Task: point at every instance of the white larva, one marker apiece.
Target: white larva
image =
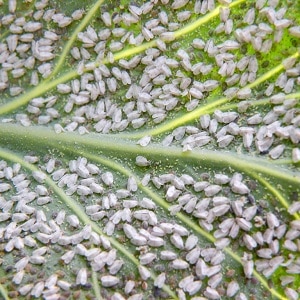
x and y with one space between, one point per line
77 14
249 242
43 200
109 281
225 140
205 121
290 245
293 208
179 264
268 235
243 224
237 207
177 241
194 287
68 256
212 190
25 289
172 193
51 281
283 23
211 293
167 36
146 7
184 15
4 187
200 186
239 187
295 31
18 277
193 255
91 254
277 151
144 141
138 240
106 18
285 280
129 286
222 243
232 288
81 277
264 253
10 245
32 26
144 272
107 178
249 212
155 241
168 255
64 285
21 264
115 267
57 175
274 246
163 17
40 251
73 220
109 228
185 282
147 258
215 280
37 260
129 19
12 42
147 203
291 293
272 220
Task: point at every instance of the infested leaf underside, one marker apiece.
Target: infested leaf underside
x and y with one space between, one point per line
165 166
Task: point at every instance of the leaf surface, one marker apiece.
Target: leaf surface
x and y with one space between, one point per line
149 151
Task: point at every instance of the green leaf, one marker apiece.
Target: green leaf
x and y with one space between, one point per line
150 150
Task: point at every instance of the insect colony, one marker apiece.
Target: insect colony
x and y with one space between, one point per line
168 253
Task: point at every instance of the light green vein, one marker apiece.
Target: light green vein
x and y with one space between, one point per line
3 292
278 196
10 133
96 286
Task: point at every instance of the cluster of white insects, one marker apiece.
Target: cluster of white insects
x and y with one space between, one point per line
154 85
222 205
165 83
